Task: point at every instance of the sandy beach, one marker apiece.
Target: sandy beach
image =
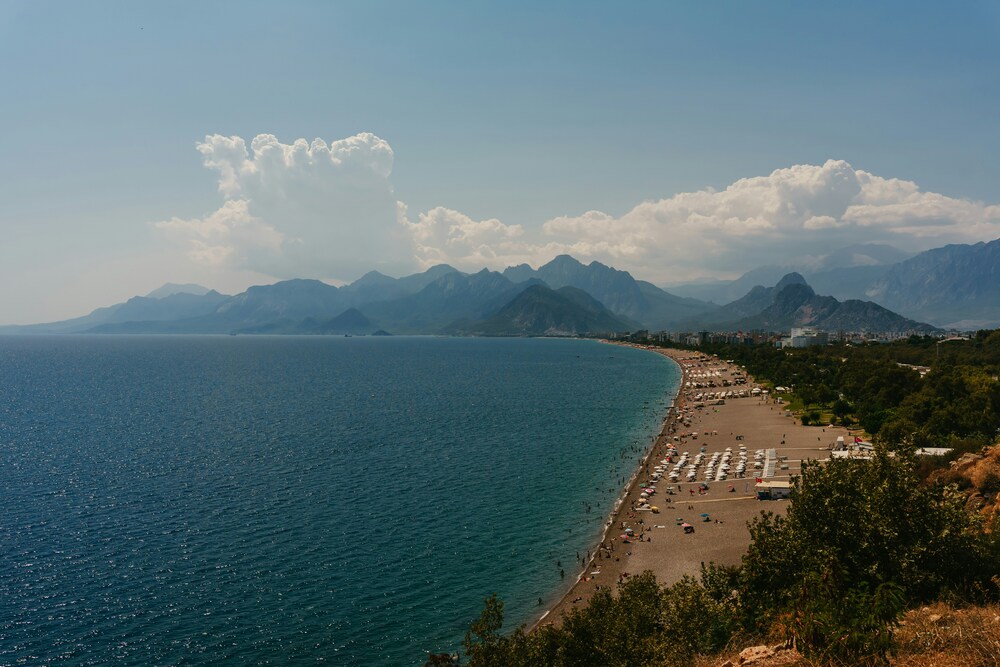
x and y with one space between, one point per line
660 544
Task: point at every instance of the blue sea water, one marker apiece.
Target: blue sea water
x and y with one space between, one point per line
299 500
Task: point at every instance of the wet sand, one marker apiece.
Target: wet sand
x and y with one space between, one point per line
664 548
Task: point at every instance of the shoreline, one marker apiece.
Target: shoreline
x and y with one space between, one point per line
719 514
669 417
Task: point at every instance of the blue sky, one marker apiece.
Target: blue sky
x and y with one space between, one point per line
515 131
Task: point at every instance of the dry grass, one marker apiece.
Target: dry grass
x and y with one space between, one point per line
783 659
984 475
942 636
935 636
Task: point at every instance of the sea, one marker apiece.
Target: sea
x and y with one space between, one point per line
273 500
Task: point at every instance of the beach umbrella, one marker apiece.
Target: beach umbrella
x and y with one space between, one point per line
655 509
686 525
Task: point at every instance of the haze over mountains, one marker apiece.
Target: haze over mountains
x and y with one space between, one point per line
958 283
867 263
616 290
956 286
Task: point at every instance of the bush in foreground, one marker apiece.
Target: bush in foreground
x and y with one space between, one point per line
642 624
862 541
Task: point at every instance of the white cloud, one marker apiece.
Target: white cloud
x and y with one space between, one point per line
796 211
230 235
446 236
312 209
822 222
901 207
305 209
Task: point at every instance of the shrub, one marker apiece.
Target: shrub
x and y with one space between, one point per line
840 623
861 525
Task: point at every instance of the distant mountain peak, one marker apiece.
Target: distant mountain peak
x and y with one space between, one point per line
294 283
793 303
796 293
169 289
562 261
604 267
373 278
540 310
948 286
618 291
350 321
793 278
440 270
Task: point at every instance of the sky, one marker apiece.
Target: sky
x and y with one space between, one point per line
240 143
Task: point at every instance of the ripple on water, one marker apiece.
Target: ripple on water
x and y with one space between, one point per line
197 500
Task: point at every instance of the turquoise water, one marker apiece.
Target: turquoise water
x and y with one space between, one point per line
275 500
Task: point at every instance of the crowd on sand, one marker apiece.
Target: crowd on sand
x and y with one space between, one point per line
691 498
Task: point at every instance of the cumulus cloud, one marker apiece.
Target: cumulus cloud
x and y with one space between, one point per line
313 209
792 212
305 209
443 235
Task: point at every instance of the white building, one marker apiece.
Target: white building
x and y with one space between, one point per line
802 337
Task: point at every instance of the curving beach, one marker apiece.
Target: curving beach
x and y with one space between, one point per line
660 544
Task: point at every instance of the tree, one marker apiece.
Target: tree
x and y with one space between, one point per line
618 630
484 644
701 617
839 622
842 408
862 525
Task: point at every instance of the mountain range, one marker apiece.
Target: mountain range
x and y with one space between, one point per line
542 311
844 273
956 285
617 290
953 284
797 305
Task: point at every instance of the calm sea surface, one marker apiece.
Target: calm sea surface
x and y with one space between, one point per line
299 500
